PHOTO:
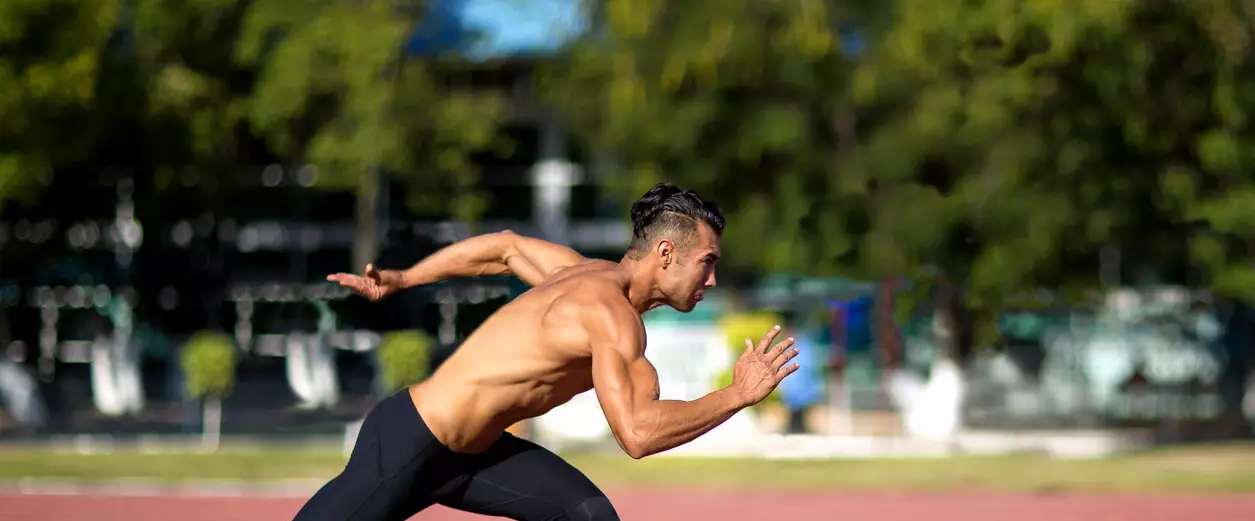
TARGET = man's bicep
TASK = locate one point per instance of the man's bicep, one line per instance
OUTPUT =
(547, 257)
(624, 382)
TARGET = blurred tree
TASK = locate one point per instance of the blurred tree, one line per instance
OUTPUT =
(208, 361)
(1000, 145)
(712, 97)
(51, 54)
(203, 88)
(336, 89)
(1007, 144)
(404, 359)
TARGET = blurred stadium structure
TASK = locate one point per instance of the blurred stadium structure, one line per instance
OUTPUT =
(89, 342)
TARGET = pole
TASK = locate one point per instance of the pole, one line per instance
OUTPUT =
(553, 176)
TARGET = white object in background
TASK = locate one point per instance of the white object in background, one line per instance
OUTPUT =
(20, 395)
(930, 409)
(115, 380)
(311, 371)
(579, 420)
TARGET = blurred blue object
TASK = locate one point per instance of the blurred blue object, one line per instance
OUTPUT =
(858, 324)
(805, 387)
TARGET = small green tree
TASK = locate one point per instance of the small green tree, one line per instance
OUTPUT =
(209, 361)
(404, 359)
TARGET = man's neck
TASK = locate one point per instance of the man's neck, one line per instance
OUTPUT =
(640, 290)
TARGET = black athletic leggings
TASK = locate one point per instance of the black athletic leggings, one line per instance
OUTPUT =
(399, 468)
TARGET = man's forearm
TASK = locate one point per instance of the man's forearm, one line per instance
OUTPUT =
(666, 424)
(472, 257)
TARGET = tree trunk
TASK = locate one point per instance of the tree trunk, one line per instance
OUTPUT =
(888, 339)
(887, 336)
(952, 324)
(366, 240)
(840, 416)
(211, 424)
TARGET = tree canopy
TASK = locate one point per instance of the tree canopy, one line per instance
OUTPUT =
(998, 144)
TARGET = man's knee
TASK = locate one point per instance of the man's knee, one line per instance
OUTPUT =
(597, 508)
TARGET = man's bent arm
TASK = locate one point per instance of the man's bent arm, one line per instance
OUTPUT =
(500, 253)
(627, 388)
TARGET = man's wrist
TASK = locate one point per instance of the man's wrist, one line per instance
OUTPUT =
(733, 398)
(403, 281)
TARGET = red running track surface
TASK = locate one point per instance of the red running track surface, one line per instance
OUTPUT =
(687, 506)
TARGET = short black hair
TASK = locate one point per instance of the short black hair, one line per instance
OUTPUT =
(666, 210)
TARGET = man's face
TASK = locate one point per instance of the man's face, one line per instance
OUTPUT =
(688, 272)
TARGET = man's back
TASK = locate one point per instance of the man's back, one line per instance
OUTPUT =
(527, 358)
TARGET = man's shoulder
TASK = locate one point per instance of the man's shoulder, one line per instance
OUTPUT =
(584, 268)
(596, 297)
(603, 311)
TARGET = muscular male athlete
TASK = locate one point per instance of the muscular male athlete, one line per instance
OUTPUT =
(578, 328)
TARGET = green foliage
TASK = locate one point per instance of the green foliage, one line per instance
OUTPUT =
(208, 360)
(995, 145)
(336, 90)
(171, 87)
(1047, 131)
(51, 54)
(713, 97)
(404, 358)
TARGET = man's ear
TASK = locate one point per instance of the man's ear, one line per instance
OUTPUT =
(666, 252)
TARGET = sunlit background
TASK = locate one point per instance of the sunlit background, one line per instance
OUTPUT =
(1013, 240)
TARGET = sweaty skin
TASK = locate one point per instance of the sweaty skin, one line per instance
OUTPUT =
(578, 328)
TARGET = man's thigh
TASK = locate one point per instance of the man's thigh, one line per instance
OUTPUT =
(521, 480)
(395, 467)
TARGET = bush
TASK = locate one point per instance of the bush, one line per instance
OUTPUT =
(209, 360)
(404, 359)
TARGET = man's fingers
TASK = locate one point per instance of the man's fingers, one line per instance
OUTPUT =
(749, 345)
(781, 346)
(766, 341)
(352, 282)
(784, 358)
(787, 370)
(343, 278)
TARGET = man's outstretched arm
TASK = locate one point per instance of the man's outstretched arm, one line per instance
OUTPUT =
(627, 387)
(501, 253)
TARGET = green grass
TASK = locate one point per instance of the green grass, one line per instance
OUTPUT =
(1211, 470)
(1216, 468)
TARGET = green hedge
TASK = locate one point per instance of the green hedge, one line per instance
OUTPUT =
(209, 360)
(404, 359)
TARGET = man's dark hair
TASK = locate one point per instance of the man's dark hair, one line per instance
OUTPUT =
(667, 211)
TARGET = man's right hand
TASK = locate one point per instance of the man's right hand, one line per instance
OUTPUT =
(760, 370)
(374, 286)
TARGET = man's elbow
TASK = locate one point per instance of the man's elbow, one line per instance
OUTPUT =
(635, 450)
(635, 446)
(627, 439)
(506, 244)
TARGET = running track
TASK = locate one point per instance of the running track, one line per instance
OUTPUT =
(686, 506)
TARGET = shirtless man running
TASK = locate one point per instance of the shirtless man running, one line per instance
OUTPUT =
(578, 328)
